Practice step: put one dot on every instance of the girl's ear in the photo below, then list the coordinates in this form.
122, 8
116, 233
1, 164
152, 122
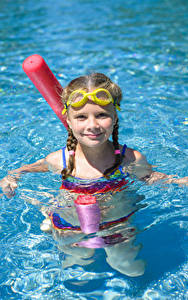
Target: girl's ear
68, 121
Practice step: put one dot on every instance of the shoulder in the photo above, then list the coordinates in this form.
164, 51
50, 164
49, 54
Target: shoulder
137, 164
54, 161
54, 156
132, 155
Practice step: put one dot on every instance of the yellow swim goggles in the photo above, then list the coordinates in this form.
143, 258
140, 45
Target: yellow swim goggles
79, 97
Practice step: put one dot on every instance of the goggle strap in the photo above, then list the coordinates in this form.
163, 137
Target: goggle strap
117, 107
65, 109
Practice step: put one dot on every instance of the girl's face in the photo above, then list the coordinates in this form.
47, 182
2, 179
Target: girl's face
92, 124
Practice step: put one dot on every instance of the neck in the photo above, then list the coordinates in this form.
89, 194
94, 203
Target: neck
96, 154
91, 162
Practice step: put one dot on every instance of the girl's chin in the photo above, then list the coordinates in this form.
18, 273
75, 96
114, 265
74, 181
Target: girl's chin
92, 142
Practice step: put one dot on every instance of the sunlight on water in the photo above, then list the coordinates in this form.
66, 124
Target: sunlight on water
142, 47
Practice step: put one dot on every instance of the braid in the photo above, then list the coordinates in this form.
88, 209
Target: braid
71, 145
118, 157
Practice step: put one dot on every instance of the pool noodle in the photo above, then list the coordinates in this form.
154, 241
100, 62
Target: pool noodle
88, 212
47, 84
89, 216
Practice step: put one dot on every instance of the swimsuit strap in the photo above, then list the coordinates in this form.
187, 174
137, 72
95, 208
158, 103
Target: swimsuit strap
64, 157
123, 150
122, 153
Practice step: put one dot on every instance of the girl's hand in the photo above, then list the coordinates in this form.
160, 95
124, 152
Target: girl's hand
182, 181
8, 185
155, 176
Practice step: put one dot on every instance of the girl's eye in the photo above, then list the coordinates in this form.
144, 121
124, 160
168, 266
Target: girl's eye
80, 117
102, 115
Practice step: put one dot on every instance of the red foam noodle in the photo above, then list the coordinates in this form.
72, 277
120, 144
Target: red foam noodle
47, 84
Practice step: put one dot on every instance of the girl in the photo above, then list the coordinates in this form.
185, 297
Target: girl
92, 164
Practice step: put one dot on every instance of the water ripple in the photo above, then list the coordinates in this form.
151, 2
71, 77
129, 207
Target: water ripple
141, 46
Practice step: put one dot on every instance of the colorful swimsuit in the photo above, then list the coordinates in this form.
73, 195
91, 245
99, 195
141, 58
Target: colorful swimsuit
116, 182
72, 186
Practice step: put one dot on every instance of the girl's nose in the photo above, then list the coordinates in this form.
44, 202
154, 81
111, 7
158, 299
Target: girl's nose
92, 122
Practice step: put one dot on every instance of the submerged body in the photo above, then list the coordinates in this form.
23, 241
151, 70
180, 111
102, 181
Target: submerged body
118, 202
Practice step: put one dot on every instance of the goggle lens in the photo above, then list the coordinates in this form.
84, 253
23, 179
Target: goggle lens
102, 95
75, 97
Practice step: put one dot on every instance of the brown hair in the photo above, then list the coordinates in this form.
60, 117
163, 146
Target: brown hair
94, 80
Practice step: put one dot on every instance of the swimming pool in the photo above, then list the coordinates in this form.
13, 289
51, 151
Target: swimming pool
142, 46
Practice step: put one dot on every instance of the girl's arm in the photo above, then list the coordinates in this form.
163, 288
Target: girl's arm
53, 162
155, 176
10, 182
38, 166
143, 170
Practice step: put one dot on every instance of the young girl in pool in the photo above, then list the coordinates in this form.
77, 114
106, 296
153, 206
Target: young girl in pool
92, 164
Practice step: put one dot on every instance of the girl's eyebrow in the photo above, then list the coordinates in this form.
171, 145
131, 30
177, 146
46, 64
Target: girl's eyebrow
80, 114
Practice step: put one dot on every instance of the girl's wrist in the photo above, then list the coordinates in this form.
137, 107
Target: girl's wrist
13, 176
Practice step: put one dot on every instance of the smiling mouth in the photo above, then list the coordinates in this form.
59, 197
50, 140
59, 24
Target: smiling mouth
91, 135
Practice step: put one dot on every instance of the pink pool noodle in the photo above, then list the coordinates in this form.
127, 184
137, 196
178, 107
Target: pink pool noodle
47, 84
88, 212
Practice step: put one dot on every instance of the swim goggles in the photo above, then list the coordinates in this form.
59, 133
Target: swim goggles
79, 97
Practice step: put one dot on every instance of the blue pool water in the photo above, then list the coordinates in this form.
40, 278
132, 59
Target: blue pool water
143, 46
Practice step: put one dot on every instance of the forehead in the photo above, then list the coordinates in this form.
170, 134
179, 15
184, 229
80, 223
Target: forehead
91, 107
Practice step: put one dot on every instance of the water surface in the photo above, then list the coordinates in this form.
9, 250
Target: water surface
141, 46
